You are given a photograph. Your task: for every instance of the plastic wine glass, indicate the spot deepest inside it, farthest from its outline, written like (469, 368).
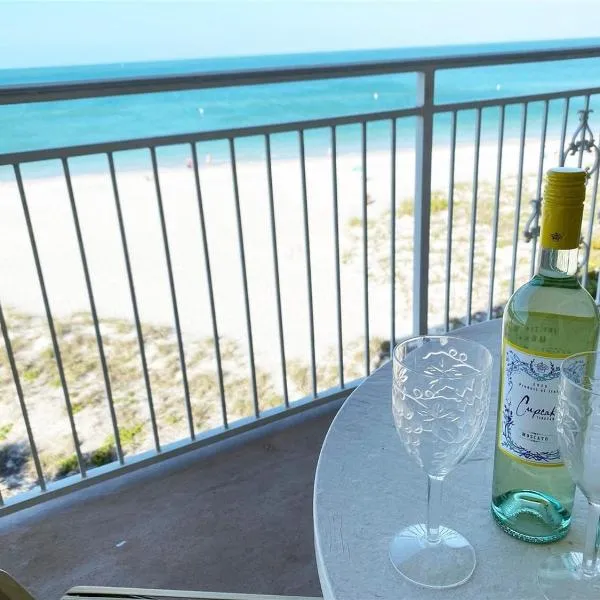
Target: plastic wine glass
(577, 574)
(440, 401)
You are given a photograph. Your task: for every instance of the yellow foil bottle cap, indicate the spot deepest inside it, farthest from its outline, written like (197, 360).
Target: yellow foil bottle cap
(562, 209)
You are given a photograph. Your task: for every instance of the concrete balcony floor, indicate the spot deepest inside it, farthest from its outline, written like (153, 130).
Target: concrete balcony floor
(236, 517)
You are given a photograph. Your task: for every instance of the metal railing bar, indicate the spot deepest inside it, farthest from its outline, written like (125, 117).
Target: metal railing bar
(586, 108)
(240, 232)
(540, 179)
(496, 215)
(1, 498)
(17, 94)
(450, 220)
(336, 241)
(365, 248)
(563, 132)
(10, 158)
(393, 240)
(590, 230)
(513, 100)
(518, 197)
(134, 303)
(50, 319)
(209, 284)
(473, 217)
(21, 397)
(165, 237)
(273, 225)
(94, 312)
(422, 203)
(311, 317)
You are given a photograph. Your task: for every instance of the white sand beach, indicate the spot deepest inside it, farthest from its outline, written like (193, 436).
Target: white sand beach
(55, 235)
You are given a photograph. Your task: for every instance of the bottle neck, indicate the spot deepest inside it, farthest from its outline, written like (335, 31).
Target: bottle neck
(558, 264)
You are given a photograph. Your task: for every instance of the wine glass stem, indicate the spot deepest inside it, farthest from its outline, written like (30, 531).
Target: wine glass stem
(590, 555)
(434, 507)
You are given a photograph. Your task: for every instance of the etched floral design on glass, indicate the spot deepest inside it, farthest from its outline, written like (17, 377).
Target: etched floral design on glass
(577, 574)
(441, 388)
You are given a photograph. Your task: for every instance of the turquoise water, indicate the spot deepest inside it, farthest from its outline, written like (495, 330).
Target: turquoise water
(46, 125)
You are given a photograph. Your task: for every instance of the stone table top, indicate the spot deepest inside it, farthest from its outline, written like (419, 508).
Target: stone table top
(367, 489)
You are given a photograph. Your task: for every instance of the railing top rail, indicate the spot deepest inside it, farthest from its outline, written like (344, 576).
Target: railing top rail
(19, 94)
(144, 143)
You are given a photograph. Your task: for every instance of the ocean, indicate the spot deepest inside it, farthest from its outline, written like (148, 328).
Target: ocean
(57, 124)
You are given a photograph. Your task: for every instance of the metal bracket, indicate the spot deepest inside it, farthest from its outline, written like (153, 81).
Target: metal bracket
(584, 144)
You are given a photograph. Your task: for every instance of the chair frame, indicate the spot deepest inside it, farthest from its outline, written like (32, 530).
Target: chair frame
(112, 593)
(11, 589)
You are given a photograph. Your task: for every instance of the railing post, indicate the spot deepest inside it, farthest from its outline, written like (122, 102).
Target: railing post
(424, 138)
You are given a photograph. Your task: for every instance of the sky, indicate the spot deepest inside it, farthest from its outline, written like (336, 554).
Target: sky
(49, 33)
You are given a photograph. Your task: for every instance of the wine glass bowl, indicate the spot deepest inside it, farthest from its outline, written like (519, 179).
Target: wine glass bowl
(577, 574)
(578, 415)
(440, 405)
(439, 418)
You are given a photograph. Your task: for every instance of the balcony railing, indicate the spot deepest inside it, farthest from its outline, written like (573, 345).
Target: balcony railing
(410, 221)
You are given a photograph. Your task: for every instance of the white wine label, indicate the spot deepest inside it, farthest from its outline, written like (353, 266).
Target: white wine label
(528, 407)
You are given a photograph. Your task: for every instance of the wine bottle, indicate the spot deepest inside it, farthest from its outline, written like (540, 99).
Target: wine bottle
(546, 320)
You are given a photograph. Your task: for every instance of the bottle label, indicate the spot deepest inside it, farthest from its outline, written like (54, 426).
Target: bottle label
(528, 406)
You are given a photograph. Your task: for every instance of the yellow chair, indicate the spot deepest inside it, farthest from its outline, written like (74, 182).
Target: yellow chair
(10, 589)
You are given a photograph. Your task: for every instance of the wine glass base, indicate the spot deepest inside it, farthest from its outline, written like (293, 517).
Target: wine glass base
(561, 576)
(444, 564)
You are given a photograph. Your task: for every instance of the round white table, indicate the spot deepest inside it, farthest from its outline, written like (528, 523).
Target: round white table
(367, 489)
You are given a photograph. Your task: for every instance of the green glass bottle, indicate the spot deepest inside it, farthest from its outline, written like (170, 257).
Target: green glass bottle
(546, 320)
